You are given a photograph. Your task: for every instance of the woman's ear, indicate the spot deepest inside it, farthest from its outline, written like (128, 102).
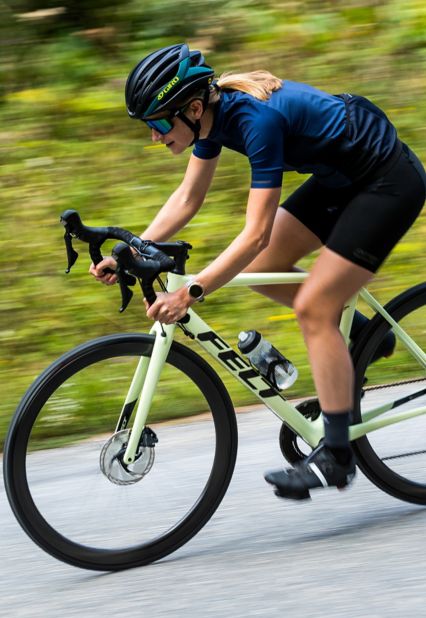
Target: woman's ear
(196, 108)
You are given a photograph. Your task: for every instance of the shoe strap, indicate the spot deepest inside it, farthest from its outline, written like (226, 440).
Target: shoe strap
(314, 468)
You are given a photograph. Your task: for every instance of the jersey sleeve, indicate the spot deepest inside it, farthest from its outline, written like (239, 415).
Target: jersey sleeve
(206, 149)
(264, 136)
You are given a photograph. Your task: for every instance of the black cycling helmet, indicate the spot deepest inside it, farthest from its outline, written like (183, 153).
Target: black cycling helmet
(166, 79)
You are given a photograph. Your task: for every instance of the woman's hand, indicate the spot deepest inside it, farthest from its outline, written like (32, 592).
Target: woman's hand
(169, 308)
(99, 274)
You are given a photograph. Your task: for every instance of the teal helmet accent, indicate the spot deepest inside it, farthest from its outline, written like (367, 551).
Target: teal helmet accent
(165, 79)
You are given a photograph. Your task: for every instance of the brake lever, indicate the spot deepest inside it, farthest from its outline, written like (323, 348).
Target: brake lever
(72, 255)
(74, 227)
(126, 260)
(126, 292)
(124, 278)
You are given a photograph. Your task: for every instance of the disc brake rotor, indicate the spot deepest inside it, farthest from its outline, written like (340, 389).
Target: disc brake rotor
(111, 460)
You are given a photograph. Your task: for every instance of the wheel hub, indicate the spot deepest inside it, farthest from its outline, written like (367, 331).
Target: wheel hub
(111, 460)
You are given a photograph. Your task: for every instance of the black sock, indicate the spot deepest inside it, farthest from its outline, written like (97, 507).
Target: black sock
(336, 435)
(343, 456)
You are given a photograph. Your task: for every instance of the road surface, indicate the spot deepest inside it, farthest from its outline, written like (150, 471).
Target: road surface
(357, 553)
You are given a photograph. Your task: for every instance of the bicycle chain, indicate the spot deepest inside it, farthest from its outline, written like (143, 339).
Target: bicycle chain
(372, 388)
(403, 455)
(382, 386)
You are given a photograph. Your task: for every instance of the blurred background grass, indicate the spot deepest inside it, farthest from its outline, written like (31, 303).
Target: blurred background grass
(66, 142)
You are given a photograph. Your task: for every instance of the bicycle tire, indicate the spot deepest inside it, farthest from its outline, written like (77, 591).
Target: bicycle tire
(61, 372)
(369, 460)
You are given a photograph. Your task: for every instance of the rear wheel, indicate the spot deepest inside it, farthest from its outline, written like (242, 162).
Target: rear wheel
(394, 457)
(63, 473)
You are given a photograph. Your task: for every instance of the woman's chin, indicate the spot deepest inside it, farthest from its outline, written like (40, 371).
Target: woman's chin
(175, 148)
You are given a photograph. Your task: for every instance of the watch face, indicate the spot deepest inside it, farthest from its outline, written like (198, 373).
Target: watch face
(195, 290)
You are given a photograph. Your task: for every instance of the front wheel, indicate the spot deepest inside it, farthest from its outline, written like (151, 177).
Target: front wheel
(61, 461)
(394, 457)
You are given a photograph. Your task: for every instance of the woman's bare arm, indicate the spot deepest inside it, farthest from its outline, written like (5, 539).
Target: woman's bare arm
(261, 209)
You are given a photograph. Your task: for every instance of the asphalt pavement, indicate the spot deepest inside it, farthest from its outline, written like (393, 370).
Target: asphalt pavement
(357, 553)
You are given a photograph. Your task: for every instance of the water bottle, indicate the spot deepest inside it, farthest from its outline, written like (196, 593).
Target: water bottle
(270, 363)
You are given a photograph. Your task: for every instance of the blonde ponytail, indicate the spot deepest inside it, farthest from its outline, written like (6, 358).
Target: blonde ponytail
(260, 84)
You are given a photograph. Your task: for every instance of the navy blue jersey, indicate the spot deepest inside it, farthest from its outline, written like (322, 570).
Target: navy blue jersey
(338, 138)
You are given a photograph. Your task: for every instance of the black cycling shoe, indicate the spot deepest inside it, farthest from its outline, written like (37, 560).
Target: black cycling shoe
(320, 469)
(386, 347)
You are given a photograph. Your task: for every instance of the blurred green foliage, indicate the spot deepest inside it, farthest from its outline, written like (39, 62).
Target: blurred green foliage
(66, 142)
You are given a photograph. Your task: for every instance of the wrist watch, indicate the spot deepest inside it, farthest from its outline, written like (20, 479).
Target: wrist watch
(195, 290)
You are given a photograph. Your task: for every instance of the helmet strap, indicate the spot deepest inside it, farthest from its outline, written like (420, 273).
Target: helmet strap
(194, 126)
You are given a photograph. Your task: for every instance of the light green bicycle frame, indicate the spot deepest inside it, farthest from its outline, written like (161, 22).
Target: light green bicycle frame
(149, 369)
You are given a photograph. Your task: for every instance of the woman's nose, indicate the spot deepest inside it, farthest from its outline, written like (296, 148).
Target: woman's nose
(155, 135)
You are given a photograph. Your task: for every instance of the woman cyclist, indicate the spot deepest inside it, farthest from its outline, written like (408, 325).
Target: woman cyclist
(365, 190)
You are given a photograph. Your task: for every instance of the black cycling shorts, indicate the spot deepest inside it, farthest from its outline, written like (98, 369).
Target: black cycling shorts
(363, 222)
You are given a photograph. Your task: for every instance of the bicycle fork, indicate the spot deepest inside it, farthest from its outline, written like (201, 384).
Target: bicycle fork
(143, 387)
(146, 378)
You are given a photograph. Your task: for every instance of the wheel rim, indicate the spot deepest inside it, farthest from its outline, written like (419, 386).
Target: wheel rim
(396, 454)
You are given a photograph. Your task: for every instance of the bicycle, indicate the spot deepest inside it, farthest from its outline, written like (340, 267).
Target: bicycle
(135, 470)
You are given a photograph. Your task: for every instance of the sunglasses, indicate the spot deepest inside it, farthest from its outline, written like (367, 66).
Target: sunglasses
(161, 125)
(165, 125)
